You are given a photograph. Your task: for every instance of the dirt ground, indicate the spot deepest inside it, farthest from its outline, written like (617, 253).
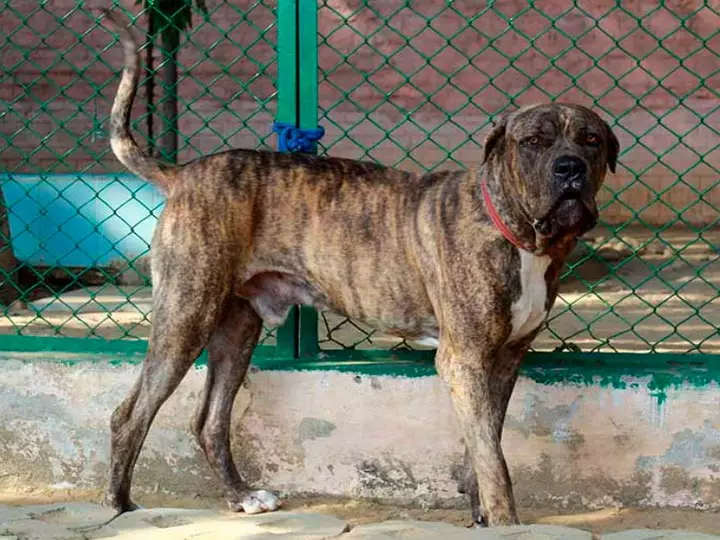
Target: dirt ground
(358, 512)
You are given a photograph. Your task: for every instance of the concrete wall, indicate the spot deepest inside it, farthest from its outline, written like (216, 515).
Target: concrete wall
(568, 445)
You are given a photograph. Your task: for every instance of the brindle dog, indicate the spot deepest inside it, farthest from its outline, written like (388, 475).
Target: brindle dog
(469, 259)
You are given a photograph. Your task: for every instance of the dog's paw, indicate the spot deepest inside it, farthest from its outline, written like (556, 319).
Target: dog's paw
(477, 524)
(110, 501)
(256, 502)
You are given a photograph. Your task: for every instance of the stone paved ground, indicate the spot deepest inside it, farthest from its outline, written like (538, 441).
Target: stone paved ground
(87, 521)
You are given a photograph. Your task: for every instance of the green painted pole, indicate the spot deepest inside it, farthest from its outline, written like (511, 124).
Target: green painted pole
(308, 119)
(287, 335)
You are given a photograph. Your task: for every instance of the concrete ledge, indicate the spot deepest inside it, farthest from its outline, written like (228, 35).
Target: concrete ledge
(569, 446)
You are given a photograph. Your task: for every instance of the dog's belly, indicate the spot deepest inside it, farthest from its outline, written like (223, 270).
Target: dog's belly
(273, 293)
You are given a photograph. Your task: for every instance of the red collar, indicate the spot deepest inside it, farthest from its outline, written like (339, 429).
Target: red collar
(498, 222)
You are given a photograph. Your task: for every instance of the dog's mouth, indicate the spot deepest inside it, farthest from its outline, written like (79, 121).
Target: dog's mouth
(573, 213)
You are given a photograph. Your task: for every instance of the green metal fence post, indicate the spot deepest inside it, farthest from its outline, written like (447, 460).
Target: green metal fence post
(308, 119)
(287, 54)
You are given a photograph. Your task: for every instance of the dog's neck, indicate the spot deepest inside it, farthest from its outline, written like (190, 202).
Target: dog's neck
(510, 220)
(499, 222)
(505, 214)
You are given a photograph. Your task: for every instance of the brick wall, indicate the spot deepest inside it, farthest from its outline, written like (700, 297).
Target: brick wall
(657, 82)
(654, 96)
(59, 87)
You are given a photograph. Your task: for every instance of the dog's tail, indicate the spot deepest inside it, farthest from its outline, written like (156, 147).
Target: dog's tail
(121, 140)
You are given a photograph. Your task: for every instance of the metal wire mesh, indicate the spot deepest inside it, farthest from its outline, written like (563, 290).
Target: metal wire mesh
(415, 84)
(412, 84)
(79, 229)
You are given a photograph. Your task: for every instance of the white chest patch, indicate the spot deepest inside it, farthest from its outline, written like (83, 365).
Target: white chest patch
(529, 311)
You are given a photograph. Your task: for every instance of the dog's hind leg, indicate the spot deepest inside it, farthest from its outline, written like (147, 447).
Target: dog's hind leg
(171, 352)
(189, 294)
(230, 348)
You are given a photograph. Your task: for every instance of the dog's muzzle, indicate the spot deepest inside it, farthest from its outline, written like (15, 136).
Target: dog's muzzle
(574, 209)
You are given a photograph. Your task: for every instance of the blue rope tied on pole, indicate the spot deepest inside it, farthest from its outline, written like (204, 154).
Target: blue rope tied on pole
(293, 139)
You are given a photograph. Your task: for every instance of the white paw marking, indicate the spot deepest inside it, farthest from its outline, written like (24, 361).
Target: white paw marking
(529, 312)
(270, 501)
(479, 524)
(260, 501)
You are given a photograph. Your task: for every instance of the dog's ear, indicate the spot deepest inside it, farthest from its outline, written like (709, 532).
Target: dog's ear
(613, 148)
(494, 137)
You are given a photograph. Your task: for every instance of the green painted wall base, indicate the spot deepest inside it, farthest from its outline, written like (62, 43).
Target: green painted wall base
(657, 371)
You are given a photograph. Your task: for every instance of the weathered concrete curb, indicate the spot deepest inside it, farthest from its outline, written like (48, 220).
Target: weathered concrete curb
(378, 437)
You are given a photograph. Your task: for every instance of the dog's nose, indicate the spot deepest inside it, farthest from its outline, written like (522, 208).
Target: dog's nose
(570, 171)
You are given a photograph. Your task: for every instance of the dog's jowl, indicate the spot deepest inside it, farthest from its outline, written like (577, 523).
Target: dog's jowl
(467, 259)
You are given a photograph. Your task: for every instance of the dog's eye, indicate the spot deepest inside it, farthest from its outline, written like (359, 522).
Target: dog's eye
(532, 141)
(592, 140)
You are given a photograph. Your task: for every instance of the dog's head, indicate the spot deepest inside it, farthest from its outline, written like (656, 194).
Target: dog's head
(555, 157)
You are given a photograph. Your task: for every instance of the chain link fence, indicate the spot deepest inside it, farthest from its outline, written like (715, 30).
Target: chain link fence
(79, 228)
(413, 84)
(416, 84)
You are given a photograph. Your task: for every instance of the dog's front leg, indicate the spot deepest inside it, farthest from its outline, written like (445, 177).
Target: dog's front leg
(501, 388)
(480, 414)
